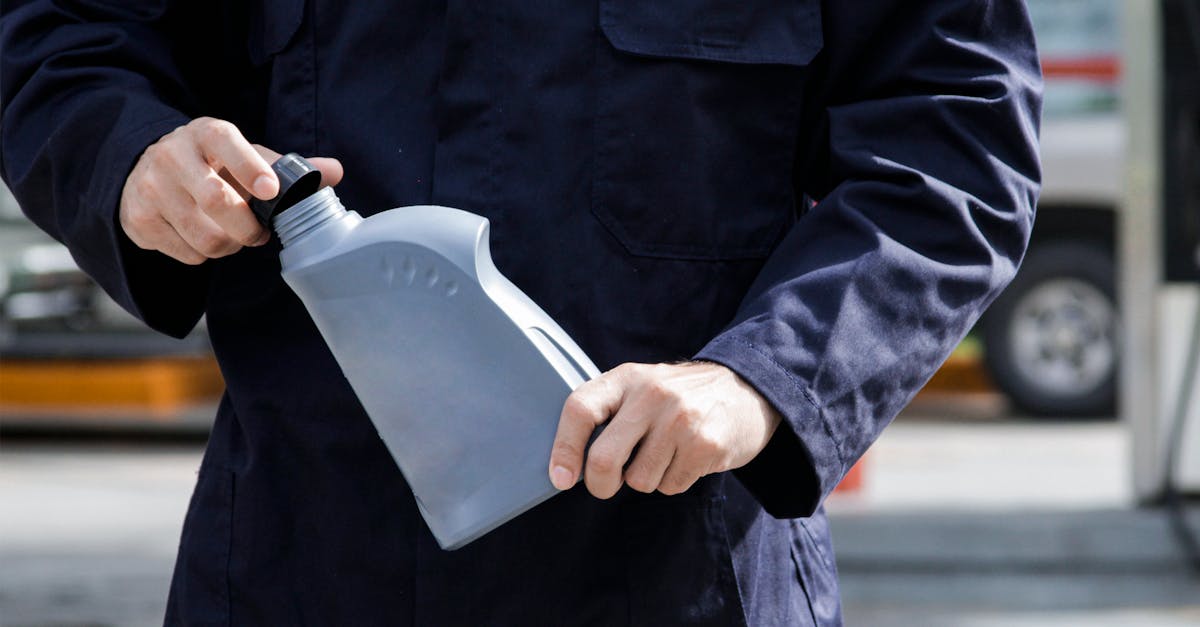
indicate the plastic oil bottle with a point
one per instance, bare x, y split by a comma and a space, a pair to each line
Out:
461, 373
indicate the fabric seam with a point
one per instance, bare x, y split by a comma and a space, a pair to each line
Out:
837, 445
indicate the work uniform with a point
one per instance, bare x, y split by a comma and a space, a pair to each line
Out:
822, 196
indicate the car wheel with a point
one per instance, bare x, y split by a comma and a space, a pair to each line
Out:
1051, 339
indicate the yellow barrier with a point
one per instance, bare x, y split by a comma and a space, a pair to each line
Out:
159, 385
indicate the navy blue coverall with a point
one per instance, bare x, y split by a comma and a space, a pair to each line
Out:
822, 196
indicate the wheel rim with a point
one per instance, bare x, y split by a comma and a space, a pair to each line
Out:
1062, 338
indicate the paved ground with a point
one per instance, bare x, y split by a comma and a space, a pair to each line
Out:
995, 522
981, 524
88, 531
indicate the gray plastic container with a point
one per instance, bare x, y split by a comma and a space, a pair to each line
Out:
462, 374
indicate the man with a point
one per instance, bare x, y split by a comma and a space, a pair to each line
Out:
812, 202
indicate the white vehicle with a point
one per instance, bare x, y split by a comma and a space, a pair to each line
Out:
49, 308
1051, 340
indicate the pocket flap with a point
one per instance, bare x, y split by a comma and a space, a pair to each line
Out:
715, 30
274, 25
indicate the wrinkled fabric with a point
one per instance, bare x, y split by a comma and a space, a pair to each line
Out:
822, 196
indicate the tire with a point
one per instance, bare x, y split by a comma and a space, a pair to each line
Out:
1050, 340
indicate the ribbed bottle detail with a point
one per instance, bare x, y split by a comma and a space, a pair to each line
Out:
308, 215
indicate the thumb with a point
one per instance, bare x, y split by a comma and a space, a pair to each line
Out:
331, 169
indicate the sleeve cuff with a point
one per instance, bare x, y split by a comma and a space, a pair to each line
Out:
802, 462
162, 292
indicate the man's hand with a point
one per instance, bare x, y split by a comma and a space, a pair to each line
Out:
685, 420
186, 196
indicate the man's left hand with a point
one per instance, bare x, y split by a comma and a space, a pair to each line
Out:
668, 425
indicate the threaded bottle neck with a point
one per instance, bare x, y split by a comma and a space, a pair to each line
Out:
307, 216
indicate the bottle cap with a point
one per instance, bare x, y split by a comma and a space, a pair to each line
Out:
298, 179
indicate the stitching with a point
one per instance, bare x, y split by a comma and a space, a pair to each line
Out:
312, 82
494, 122
813, 539
728, 569
803, 389
231, 478
798, 566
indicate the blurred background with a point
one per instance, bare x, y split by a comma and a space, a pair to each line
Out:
1047, 475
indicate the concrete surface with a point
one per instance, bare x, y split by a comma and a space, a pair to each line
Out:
88, 531
1003, 522
989, 523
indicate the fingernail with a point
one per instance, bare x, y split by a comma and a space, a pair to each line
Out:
562, 478
264, 187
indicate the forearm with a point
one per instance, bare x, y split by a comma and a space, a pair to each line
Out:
927, 185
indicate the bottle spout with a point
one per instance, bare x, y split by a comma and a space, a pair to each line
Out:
312, 214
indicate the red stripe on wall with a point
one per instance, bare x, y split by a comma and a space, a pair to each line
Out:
1104, 69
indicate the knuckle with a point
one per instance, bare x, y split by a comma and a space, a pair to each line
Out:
640, 482
201, 122
214, 244
178, 132
577, 406
565, 451
161, 156
154, 151
243, 229
626, 368
707, 446
191, 258
671, 487
602, 462
142, 221
134, 215
145, 187
705, 442
689, 415
660, 390
216, 131
629, 370
685, 418
212, 194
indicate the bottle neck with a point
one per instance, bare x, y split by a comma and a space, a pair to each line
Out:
308, 216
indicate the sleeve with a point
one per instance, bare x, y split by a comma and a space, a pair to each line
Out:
922, 123
84, 89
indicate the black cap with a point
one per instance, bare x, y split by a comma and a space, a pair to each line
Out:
298, 180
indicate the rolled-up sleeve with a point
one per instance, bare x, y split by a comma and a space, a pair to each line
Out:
84, 89
921, 149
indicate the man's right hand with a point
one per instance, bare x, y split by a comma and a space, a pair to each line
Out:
187, 195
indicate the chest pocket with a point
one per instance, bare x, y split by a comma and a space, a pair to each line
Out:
697, 109
273, 26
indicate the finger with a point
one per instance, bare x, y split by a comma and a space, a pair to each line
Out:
148, 230
606, 456
330, 168
266, 153
223, 146
237, 187
678, 478
587, 407
220, 200
650, 463
265, 235
693, 459
171, 244
194, 226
